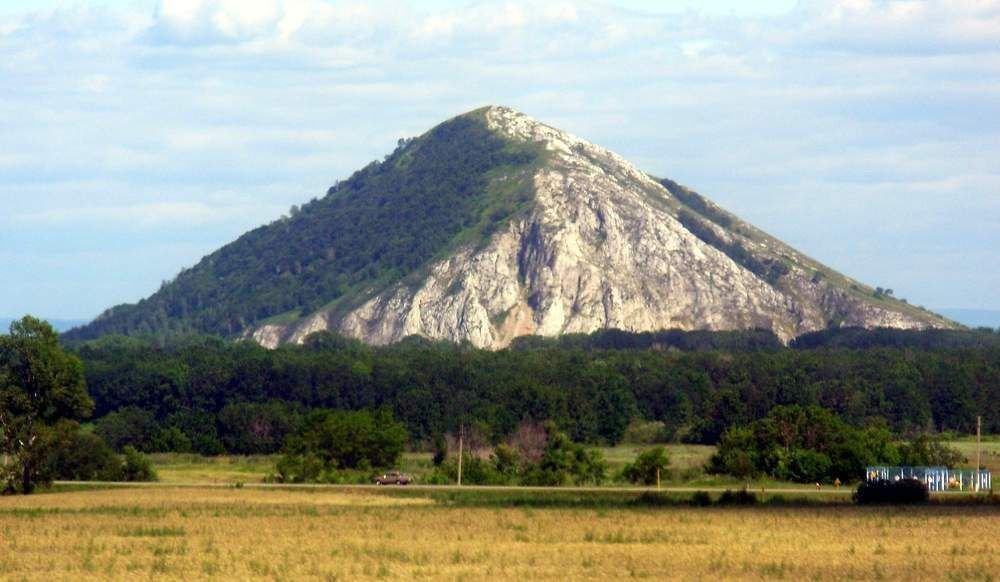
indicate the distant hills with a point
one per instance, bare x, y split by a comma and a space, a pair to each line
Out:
493, 226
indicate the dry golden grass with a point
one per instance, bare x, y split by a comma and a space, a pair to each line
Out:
259, 534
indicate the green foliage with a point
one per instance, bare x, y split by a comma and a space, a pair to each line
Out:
592, 394
250, 428
565, 462
925, 450
857, 338
171, 440
770, 270
432, 192
337, 439
685, 341
740, 497
645, 432
698, 203
75, 455
882, 491
199, 427
72, 454
647, 467
804, 444
40, 385
440, 448
561, 462
136, 467
129, 426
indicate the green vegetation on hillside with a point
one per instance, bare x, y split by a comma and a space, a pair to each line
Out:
770, 270
383, 223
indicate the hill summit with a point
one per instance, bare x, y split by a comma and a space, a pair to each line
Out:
493, 225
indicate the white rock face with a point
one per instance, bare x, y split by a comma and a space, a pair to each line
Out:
601, 248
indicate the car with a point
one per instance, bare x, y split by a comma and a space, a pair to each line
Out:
393, 478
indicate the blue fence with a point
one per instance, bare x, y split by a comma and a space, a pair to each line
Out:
936, 478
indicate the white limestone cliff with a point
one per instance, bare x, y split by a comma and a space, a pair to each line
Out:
601, 247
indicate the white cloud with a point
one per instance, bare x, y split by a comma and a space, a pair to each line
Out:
899, 26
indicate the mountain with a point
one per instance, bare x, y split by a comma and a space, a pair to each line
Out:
491, 226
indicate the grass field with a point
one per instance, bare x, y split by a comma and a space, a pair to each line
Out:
184, 533
686, 465
990, 451
686, 460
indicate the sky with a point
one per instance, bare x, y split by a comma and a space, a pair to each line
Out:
137, 136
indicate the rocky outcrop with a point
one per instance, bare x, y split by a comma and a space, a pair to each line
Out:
600, 247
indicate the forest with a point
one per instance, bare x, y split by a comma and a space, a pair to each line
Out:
211, 396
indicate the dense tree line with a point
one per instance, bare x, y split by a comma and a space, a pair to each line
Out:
811, 444
210, 395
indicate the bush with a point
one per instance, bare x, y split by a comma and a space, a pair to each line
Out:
440, 450
338, 440
741, 497
647, 466
806, 466
804, 444
475, 471
701, 499
560, 461
645, 432
80, 456
298, 468
137, 466
926, 450
565, 462
883, 491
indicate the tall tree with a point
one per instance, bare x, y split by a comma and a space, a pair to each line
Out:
40, 384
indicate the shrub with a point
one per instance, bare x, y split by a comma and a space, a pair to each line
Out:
883, 491
566, 462
930, 451
137, 466
645, 432
337, 440
741, 497
805, 444
80, 456
701, 499
440, 450
647, 466
298, 468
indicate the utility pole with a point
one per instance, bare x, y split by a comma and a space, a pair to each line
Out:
979, 429
461, 433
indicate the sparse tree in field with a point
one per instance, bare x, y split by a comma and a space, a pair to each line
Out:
40, 384
647, 466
